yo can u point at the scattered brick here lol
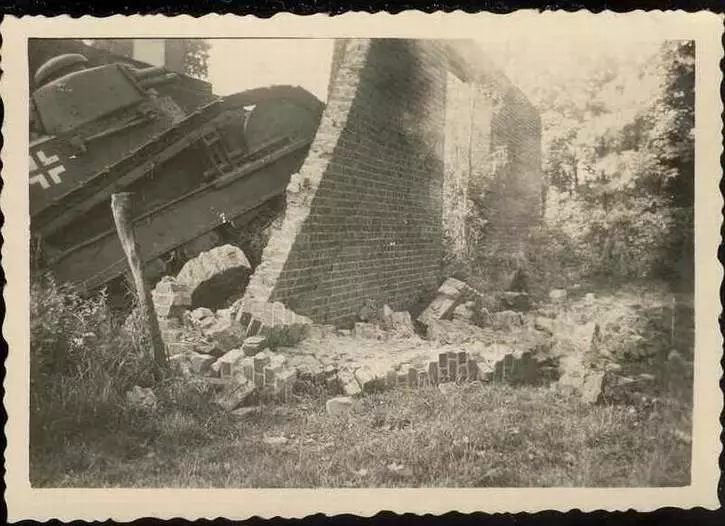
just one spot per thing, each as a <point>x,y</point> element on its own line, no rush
<point>516,301</point>
<point>225,365</point>
<point>348,383</point>
<point>449,295</point>
<point>180,348</point>
<point>238,393</point>
<point>368,331</point>
<point>253,345</point>
<point>225,332</point>
<point>507,320</point>
<point>200,363</point>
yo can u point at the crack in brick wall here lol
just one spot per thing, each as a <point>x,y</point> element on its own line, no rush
<point>364,217</point>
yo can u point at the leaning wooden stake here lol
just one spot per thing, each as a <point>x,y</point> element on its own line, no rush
<point>121,205</point>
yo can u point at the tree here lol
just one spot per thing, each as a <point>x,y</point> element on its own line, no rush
<point>195,52</point>
<point>618,148</point>
<point>196,57</point>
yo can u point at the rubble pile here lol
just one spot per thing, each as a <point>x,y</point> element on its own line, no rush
<point>253,350</point>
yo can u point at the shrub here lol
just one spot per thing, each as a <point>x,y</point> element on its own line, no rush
<point>80,363</point>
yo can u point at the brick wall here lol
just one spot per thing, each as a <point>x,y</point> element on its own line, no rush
<point>364,217</point>
<point>513,201</point>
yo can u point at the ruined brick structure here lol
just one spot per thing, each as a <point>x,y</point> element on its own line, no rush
<point>412,132</point>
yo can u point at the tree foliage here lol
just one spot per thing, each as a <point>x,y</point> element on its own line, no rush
<point>196,52</point>
<point>618,149</point>
<point>196,57</point>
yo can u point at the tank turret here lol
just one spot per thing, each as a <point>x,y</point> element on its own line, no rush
<point>102,128</point>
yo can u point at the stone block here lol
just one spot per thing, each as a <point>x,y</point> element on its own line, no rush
<point>450,293</point>
<point>452,367</point>
<point>309,369</point>
<point>321,332</point>
<point>185,348</point>
<point>253,345</point>
<point>276,363</point>
<point>225,332</point>
<point>368,331</point>
<point>433,372</point>
<point>412,377</point>
<point>423,380</point>
<point>349,384</point>
<point>284,383</point>
<point>507,320</point>
<point>465,311</point>
<point>206,347</point>
<point>391,379</point>
<point>591,389</point>
<point>399,324</point>
<point>200,363</point>
<point>515,301</point>
<point>261,360</point>
<point>339,406</point>
<point>367,379</point>
<point>225,365</point>
<point>246,366</point>
<point>170,298</point>
<point>402,378</point>
<point>238,393</point>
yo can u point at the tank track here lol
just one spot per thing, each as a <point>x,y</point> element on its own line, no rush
<point>107,182</point>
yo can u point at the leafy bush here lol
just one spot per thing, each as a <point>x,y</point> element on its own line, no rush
<point>80,363</point>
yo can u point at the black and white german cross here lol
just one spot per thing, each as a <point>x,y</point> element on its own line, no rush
<point>45,169</point>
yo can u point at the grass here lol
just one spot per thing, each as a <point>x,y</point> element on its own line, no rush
<point>83,433</point>
<point>478,436</point>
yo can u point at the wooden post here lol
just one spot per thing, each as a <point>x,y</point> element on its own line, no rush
<point>121,205</point>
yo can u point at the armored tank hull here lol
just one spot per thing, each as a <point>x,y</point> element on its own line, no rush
<point>194,176</point>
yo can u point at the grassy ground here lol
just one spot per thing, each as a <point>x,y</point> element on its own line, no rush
<point>83,434</point>
<point>478,436</point>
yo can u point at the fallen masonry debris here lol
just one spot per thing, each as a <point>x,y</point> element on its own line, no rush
<point>449,295</point>
<point>468,338</point>
<point>211,276</point>
<point>517,301</point>
<point>170,298</point>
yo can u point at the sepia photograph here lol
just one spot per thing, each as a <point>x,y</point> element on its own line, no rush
<point>381,262</point>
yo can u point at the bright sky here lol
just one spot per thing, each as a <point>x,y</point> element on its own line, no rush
<point>240,64</point>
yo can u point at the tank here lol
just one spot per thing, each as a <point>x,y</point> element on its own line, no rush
<point>196,174</point>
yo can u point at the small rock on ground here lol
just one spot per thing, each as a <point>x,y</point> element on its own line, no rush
<point>339,406</point>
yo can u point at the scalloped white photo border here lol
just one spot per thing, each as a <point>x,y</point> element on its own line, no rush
<point>127,504</point>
